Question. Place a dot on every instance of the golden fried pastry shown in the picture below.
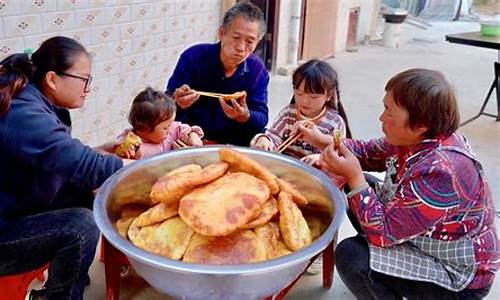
(224, 205)
(182, 169)
(132, 210)
(169, 238)
(131, 140)
(281, 249)
(317, 225)
(269, 210)
(269, 234)
(243, 163)
(155, 214)
(123, 224)
(293, 226)
(171, 188)
(287, 187)
(337, 138)
(241, 247)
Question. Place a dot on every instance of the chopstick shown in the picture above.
(180, 144)
(291, 139)
(226, 97)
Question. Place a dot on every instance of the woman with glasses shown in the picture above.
(47, 176)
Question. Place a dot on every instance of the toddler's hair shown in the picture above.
(149, 108)
(319, 77)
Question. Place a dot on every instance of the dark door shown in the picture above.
(266, 49)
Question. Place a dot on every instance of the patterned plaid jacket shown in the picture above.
(438, 195)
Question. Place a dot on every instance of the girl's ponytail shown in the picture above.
(342, 113)
(15, 73)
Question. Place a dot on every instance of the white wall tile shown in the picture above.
(37, 6)
(105, 34)
(141, 12)
(22, 25)
(164, 8)
(120, 48)
(154, 26)
(9, 7)
(134, 43)
(58, 21)
(131, 30)
(11, 46)
(82, 35)
(72, 4)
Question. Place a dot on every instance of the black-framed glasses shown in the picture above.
(88, 80)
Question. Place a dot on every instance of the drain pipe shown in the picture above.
(293, 36)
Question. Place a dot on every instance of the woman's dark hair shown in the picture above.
(56, 54)
(248, 11)
(319, 78)
(149, 108)
(429, 100)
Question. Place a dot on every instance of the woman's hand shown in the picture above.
(263, 143)
(343, 163)
(194, 140)
(311, 159)
(185, 96)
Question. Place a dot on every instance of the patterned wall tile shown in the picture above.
(104, 69)
(82, 35)
(164, 8)
(90, 17)
(72, 4)
(11, 46)
(120, 48)
(143, 44)
(22, 25)
(132, 62)
(9, 7)
(174, 23)
(105, 34)
(184, 6)
(131, 30)
(141, 12)
(102, 3)
(164, 40)
(154, 58)
(37, 6)
(97, 52)
(58, 21)
(154, 26)
(120, 14)
(34, 41)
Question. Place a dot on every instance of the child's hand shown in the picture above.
(263, 143)
(195, 140)
(133, 152)
(311, 159)
(312, 135)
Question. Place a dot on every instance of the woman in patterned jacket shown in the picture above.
(428, 232)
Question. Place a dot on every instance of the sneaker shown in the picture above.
(316, 267)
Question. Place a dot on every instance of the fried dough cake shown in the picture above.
(224, 205)
(317, 225)
(269, 210)
(123, 224)
(241, 247)
(169, 238)
(241, 162)
(182, 169)
(293, 227)
(155, 214)
(172, 187)
(269, 234)
(287, 187)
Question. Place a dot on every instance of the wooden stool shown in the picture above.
(15, 287)
(114, 261)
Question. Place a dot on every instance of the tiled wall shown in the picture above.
(133, 43)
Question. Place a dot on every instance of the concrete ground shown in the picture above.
(363, 75)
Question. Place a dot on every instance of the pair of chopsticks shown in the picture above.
(180, 144)
(291, 139)
(226, 97)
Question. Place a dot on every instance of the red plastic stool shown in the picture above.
(15, 287)
(114, 261)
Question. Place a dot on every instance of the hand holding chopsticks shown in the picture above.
(292, 138)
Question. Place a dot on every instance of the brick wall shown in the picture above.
(133, 43)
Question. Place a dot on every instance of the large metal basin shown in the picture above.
(198, 281)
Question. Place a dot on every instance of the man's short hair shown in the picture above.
(429, 100)
(247, 10)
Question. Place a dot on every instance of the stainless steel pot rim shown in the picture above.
(131, 251)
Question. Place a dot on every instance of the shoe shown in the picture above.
(38, 295)
(316, 267)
